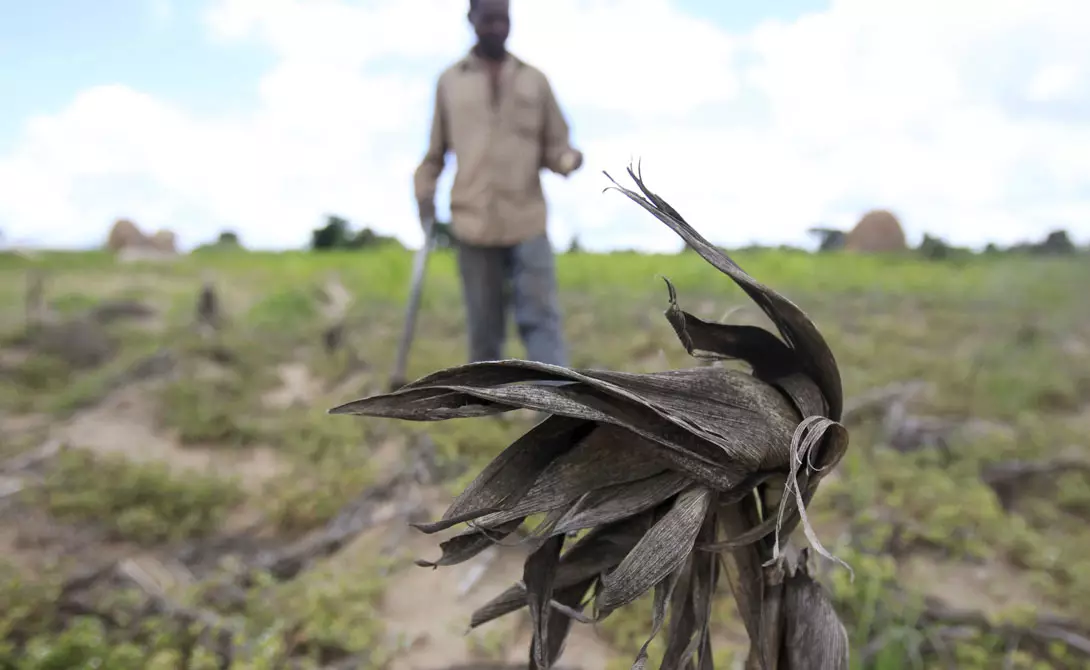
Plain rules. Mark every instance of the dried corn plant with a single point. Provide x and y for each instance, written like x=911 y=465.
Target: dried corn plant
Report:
x=671 y=481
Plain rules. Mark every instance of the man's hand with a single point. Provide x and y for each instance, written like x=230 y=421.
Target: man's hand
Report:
x=571 y=161
x=427 y=214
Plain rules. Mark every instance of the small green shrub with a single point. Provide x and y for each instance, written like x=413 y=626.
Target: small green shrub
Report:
x=213 y=412
x=144 y=503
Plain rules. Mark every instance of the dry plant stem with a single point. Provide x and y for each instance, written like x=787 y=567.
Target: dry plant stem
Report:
x=664 y=471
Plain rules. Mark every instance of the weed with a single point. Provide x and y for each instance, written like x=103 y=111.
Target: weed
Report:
x=143 y=503
x=213 y=411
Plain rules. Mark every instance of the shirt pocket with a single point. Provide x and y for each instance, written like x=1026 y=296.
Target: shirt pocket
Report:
x=527 y=113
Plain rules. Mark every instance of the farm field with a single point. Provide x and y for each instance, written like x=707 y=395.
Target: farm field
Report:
x=173 y=491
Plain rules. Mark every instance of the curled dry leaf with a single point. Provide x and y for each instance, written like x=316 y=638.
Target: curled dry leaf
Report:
x=678 y=477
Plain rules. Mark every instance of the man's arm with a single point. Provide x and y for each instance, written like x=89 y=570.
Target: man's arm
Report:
x=557 y=153
x=427 y=174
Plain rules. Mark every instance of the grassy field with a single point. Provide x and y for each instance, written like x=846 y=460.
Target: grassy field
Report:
x=183 y=462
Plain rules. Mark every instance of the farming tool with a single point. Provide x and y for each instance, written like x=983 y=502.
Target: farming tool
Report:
x=420 y=264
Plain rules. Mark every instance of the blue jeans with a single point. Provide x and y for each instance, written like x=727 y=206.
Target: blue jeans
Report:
x=523 y=276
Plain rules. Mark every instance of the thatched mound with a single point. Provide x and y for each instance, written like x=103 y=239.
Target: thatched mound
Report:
x=124 y=234
x=130 y=243
x=164 y=240
x=878 y=231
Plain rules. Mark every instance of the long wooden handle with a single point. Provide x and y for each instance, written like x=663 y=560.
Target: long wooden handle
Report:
x=420 y=264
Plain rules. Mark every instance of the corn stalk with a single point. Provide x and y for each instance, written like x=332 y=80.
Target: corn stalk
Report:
x=678 y=479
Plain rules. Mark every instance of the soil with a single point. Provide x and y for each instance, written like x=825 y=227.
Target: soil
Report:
x=297 y=387
x=124 y=423
x=427 y=611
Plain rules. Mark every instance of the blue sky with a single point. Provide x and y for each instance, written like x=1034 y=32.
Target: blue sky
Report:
x=51 y=50
x=758 y=120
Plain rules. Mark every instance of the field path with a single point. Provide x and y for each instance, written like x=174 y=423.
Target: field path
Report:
x=124 y=424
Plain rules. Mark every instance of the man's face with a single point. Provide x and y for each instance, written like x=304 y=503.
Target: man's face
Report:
x=492 y=22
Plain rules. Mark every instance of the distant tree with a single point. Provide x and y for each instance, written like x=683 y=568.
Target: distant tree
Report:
x=362 y=239
x=575 y=247
x=226 y=241
x=338 y=234
x=334 y=235
x=829 y=239
x=1057 y=243
x=228 y=238
x=933 y=248
x=753 y=247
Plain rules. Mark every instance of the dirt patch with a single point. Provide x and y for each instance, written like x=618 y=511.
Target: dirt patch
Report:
x=13 y=357
x=988 y=588
x=427 y=612
x=124 y=423
x=583 y=648
x=298 y=387
x=15 y=425
x=354 y=385
x=35 y=543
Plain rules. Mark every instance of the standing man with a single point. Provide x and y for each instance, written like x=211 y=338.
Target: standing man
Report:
x=500 y=118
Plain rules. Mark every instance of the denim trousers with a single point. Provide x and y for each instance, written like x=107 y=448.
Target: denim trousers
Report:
x=522 y=277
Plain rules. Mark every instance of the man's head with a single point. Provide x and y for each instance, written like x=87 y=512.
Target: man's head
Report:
x=491 y=19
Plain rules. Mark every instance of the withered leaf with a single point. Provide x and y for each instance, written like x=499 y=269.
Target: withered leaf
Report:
x=688 y=411
x=772 y=361
x=559 y=622
x=677 y=476
x=813 y=636
x=716 y=404
x=611 y=503
x=511 y=474
x=604 y=458
x=687 y=452
x=599 y=550
x=465 y=546
x=797 y=329
x=664 y=591
x=539 y=577
x=657 y=554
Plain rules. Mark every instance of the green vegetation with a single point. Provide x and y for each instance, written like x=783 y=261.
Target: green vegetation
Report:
x=210 y=411
x=143 y=503
x=338 y=234
x=1003 y=340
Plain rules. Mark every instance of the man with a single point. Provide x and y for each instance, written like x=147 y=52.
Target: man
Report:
x=500 y=118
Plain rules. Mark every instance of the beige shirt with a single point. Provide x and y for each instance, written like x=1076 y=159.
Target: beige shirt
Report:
x=501 y=139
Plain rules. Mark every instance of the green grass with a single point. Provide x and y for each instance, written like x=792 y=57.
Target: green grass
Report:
x=143 y=503
x=210 y=411
x=1002 y=339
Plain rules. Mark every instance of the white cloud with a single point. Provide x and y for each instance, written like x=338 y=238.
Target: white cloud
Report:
x=971 y=120
x=1054 y=83
x=161 y=11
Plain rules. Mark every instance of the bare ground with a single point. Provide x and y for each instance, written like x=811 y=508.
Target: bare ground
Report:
x=124 y=423
x=426 y=612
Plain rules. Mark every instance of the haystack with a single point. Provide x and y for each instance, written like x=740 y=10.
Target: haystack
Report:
x=164 y=241
x=123 y=234
x=129 y=243
x=878 y=231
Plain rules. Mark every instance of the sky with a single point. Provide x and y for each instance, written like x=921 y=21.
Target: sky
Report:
x=969 y=119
